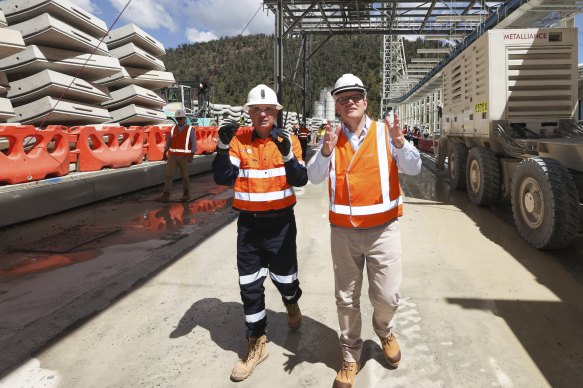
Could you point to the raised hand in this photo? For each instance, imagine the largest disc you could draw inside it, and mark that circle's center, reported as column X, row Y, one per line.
column 226, row 133
column 284, row 145
column 395, row 131
column 330, row 138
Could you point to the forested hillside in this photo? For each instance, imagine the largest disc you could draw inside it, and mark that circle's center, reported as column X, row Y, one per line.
column 235, row 65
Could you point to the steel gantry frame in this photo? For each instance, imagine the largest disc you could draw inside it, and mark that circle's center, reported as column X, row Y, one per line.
column 459, row 21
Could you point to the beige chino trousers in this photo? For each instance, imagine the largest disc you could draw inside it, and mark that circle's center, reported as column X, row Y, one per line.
column 173, row 162
column 380, row 249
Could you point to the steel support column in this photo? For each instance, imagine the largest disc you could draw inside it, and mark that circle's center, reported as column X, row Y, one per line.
column 279, row 58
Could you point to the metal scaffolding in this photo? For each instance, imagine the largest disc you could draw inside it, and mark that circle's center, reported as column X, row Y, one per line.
column 459, row 22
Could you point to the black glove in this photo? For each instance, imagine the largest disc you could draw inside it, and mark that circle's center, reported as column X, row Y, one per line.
column 226, row 133
column 282, row 139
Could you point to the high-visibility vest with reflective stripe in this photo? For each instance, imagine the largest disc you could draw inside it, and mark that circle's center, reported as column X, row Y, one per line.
column 364, row 186
column 304, row 133
column 180, row 143
column 261, row 184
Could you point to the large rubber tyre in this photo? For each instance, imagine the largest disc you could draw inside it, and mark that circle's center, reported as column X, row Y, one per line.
column 482, row 176
column 456, row 165
column 545, row 203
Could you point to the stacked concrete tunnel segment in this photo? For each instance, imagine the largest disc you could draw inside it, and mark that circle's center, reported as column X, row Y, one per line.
column 68, row 70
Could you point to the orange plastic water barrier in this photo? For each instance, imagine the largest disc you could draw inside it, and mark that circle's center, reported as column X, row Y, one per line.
column 206, row 140
column 107, row 146
column 33, row 154
column 156, row 140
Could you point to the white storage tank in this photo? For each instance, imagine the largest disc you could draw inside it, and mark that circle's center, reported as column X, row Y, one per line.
column 329, row 104
column 318, row 109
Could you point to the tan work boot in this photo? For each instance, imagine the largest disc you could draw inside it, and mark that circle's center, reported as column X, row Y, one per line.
column 391, row 350
column 346, row 375
column 294, row 316
column 165, row 197
column 256, row 353
column 185, row 196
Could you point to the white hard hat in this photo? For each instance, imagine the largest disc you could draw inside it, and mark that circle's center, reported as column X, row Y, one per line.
column 348, row 82
column 261, row 95
column 179, row 113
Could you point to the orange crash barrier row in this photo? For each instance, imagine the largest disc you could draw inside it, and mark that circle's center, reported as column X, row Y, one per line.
column 33, row 154
column 206, row 140
column 107, row 146
column 155, row 136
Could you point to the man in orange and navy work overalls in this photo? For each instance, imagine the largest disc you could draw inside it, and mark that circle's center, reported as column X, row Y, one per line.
column 362, row 159
column 178, row 152
column 304, row 136
column 264, row 165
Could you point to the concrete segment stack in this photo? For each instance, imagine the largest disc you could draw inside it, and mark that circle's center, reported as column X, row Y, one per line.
column 11, row 42
column 63, row 42
column 133, row 87
column 63, row 67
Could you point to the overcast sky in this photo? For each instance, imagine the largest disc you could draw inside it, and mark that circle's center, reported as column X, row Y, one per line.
column 174, row 22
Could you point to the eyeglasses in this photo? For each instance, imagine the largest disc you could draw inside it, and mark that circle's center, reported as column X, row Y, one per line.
column 268, row 111
column 356, row 98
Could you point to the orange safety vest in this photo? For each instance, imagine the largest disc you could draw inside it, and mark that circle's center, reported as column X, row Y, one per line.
column 261, row 184
column 364, row 186
column 180, row 144
column 304, row 133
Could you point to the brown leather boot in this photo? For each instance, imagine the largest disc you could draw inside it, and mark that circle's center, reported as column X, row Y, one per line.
column 185, row 196
column 346, row 375
column 256, row 353
column 165, row 197
column 294, row 316
column 391, row 350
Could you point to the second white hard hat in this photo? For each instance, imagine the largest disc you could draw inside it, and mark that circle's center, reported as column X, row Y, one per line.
column 261, row 95
column 348, row 82
column 179, row 113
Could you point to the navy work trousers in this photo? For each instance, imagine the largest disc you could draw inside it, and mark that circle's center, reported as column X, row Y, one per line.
column 266, row 246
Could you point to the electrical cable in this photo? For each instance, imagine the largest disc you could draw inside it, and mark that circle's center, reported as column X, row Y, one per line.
column 252, row 17
column 86, row 61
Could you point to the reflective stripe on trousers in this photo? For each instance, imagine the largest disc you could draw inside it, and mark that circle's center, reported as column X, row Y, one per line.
column 266, row 246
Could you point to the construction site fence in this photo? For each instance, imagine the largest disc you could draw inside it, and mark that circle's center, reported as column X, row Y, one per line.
column 31, row 154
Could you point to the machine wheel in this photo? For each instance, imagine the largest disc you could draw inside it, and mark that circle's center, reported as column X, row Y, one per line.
column 483, row 176
column 545, row 203
column 456, row 165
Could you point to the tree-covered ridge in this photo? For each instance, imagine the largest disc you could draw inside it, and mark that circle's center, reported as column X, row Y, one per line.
column 235, row 65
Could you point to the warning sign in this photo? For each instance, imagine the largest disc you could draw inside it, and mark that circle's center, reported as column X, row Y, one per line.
column 481, row 107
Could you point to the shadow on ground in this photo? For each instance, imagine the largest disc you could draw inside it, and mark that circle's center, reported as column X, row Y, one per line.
column 313, row 343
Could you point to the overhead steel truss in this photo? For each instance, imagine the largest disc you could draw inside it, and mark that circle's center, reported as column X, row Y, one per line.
column 444, row 19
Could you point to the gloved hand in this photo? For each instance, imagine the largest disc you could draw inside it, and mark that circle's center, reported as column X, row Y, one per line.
column 282, row 139
column 226, row 133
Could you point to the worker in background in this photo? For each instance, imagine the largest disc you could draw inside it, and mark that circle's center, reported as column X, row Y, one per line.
column 264, row 165
column 201, row 92
column 362, row 159
column 295, row 129
column 416, row 135
column 320, row 133
column 178, row 152
column 304, row 136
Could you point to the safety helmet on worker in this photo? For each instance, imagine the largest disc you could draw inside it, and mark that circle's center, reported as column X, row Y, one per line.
column 261, row 95
column 348, row 82
column 180, row 113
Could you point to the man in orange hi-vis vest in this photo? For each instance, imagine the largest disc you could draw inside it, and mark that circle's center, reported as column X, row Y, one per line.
column 263, row 165
column 362, row 158
column 178, row 152
column 304, row 136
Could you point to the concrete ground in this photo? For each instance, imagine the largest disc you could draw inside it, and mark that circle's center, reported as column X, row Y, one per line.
column 480, row 308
